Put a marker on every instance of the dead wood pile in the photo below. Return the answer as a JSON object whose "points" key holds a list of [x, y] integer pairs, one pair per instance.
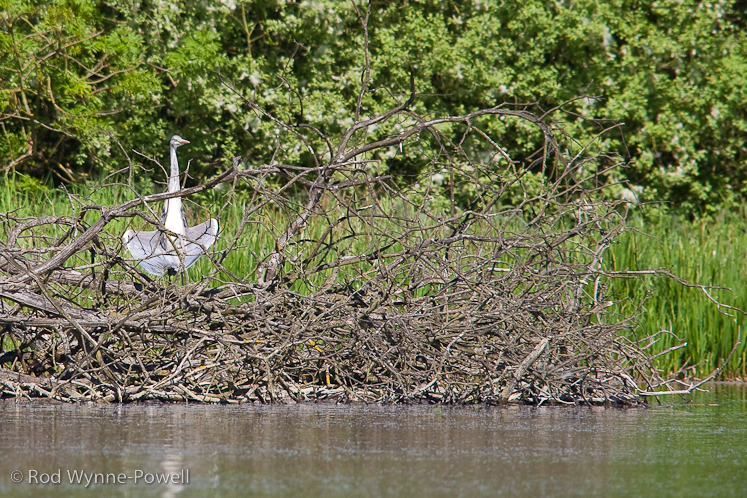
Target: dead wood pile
{"points": [[394, 298]]}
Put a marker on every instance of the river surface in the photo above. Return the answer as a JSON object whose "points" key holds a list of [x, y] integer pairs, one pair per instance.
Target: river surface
{"points": [[686, 448]]}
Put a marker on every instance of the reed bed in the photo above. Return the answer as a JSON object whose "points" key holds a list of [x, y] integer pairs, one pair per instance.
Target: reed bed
{"points": [[709, 252]]}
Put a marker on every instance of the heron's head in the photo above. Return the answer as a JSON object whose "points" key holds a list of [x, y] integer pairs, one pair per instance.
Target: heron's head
{"points": [[176, 141]]}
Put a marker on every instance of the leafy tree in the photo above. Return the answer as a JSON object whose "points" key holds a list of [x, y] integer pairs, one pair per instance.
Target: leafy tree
{"points": [[77, 74]]}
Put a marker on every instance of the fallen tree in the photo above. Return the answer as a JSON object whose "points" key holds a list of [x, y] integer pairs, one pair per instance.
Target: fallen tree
{"points": [[478, 278]]}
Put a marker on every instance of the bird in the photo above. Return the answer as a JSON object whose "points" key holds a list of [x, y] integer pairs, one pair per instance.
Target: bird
{"points": [[180, 246]]}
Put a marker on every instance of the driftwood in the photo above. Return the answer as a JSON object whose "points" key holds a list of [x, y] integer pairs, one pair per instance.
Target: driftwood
{"points": [[464, 283]]}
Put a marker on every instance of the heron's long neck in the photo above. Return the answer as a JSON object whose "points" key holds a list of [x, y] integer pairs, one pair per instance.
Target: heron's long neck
{"points": [[174, 177], [173, 207]]}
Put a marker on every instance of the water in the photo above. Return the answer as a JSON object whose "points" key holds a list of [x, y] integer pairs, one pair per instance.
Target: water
{"points": [[693, 449]]}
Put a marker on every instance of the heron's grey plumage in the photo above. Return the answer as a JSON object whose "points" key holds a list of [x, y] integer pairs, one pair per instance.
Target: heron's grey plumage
{"points": [[180, 246]]}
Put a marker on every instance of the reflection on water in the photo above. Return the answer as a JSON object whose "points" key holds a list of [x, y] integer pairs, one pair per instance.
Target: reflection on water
{"points": [[172, 464], [685, 449]]}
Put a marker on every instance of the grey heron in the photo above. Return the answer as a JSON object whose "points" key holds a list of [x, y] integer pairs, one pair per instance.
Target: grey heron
{"points": [[180, 246]]}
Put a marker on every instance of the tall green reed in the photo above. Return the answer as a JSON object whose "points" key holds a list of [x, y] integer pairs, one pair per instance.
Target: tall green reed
{"points": [[704, 252]]}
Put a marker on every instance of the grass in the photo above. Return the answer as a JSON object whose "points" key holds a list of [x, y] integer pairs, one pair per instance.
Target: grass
{"points": [[710, 253], [705, 252], [22, 199], [31, 198]]}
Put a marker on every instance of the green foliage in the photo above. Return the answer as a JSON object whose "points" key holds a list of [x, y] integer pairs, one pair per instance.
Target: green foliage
{"points": [[30, 185], [700, 252], [77, 74]]}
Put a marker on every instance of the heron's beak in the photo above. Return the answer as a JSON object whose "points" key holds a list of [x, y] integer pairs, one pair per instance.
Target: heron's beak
{"points": [[182, 141]]}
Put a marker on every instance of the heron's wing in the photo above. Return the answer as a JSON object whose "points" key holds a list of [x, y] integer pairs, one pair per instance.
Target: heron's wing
{"points": [[202, 235], [145, 247], [155, 253]]}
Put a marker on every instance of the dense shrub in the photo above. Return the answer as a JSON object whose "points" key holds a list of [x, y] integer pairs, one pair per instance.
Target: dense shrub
{"points": [[76, 74]]}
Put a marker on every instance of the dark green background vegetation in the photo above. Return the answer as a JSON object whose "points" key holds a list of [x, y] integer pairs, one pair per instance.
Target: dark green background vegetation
{"points": [[74, 74], [78, 76]]}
